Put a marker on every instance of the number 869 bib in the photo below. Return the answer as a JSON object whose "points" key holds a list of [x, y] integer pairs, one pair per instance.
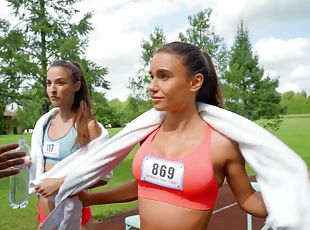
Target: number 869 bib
{"points": [[163, 172]]}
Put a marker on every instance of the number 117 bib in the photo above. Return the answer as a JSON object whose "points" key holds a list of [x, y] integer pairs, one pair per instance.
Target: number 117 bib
{"points": [[163, 172]]}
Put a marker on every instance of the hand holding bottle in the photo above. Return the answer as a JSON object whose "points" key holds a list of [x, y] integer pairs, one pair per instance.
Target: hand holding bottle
{"points": [[7, 160], [19, 184]]}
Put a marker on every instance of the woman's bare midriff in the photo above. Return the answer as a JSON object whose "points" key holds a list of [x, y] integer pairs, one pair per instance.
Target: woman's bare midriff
{"points": [[157, 215], [45, 205]]}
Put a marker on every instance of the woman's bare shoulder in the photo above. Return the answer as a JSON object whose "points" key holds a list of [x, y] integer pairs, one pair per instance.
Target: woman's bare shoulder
{"points": [[92, 124], [93, 129], [221, 140], [224, 146]]}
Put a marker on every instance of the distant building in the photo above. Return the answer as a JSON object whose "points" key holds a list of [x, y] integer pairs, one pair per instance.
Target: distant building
{"points": [[9, 114]]}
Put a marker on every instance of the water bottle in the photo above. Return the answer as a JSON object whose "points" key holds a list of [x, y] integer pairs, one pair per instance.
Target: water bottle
{"points": [[19, 183]]}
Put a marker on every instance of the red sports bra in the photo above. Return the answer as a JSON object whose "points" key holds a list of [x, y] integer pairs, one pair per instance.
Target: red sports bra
{"points": [[186, 181]]}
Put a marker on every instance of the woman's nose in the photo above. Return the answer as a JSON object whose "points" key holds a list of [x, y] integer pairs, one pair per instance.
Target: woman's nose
{"points": [[153, 87], [52, 88]]}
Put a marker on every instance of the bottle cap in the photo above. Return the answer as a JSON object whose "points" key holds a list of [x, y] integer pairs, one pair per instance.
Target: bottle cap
{"points": [[21, 141]]}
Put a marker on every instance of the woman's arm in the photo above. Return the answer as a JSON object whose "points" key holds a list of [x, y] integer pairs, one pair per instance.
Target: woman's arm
{"points": [[49, 186], [237, 178], [125, 192], [229, 163], [98, 184]]}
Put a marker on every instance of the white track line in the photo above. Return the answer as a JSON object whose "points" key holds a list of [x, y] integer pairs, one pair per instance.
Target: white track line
{"points": [[225, 207]]}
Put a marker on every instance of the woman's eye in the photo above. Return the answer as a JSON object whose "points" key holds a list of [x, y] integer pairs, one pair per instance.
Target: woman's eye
{"points": [[164, 76]]}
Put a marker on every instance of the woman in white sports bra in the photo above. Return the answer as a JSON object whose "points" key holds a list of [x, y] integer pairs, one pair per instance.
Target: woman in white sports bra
{"points": [[71, 128]]}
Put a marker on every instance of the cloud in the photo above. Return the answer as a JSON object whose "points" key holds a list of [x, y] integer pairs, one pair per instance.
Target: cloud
{"points": [[301, 72], [119, 29], [277, 11], [275, 50], [289, 59], [277, 31], [124, 14], [289, 87], [262, 17], [120, 54]]}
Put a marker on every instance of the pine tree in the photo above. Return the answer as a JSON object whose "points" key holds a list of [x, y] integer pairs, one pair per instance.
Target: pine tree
{"points": [[246, 90], [202, 34]]}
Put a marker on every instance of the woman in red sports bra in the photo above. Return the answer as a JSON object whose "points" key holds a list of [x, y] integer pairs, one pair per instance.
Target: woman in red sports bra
{"points": [[181, 165]]}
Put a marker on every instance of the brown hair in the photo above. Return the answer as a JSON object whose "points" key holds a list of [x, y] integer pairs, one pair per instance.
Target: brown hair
{"points": [[81, 106], [196, 62]]}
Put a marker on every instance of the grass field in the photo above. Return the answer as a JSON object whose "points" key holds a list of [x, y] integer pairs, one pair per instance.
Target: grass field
{"points": [[295, 132]]}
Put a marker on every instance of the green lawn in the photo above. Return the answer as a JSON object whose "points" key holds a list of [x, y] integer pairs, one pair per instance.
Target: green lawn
{"points": [[295, 132]]}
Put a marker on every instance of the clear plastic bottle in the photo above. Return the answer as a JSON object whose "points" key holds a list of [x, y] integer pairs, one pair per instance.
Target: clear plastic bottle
{"points": [[19, 183]]}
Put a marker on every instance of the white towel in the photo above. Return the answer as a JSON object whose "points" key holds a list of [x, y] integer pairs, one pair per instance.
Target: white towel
{"points": [[282, 175]]}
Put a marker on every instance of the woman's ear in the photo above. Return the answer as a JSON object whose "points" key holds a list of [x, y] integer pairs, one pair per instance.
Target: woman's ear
{"points": [[197, 82], [77, 86]]}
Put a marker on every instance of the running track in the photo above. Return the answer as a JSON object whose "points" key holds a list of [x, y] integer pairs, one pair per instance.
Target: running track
{"points": [[226, 215]]}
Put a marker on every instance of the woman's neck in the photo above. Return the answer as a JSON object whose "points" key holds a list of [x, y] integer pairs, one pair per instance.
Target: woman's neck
{"points": [[178, 121], [66, 115]]}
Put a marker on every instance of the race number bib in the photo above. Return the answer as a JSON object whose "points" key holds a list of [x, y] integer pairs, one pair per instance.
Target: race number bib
{"points": [[163, 172], [51, 149]]}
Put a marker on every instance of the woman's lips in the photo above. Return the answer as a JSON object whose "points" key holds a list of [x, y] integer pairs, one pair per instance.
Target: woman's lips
{"points": [[53, 98], [157, 99]]}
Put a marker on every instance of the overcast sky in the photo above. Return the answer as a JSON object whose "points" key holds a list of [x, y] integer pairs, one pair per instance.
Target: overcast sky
{"points": [[279, 32]]}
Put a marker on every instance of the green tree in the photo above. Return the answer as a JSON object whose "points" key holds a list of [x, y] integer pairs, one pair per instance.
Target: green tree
{"points": [[15, 65], [46, 30], [101, 107], [139, 83], [28, 114], [135, 107], [115, 113], [201, 33], [296, 103], [118, 118], [246, 90], [10, 58]]}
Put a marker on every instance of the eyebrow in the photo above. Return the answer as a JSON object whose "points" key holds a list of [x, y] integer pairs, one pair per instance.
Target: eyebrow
{"points": [[160, 71], [57, 79]]}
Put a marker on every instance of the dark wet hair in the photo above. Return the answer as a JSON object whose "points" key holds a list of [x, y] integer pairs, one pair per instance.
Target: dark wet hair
{"points": [[81, 106], [196, 62]]}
